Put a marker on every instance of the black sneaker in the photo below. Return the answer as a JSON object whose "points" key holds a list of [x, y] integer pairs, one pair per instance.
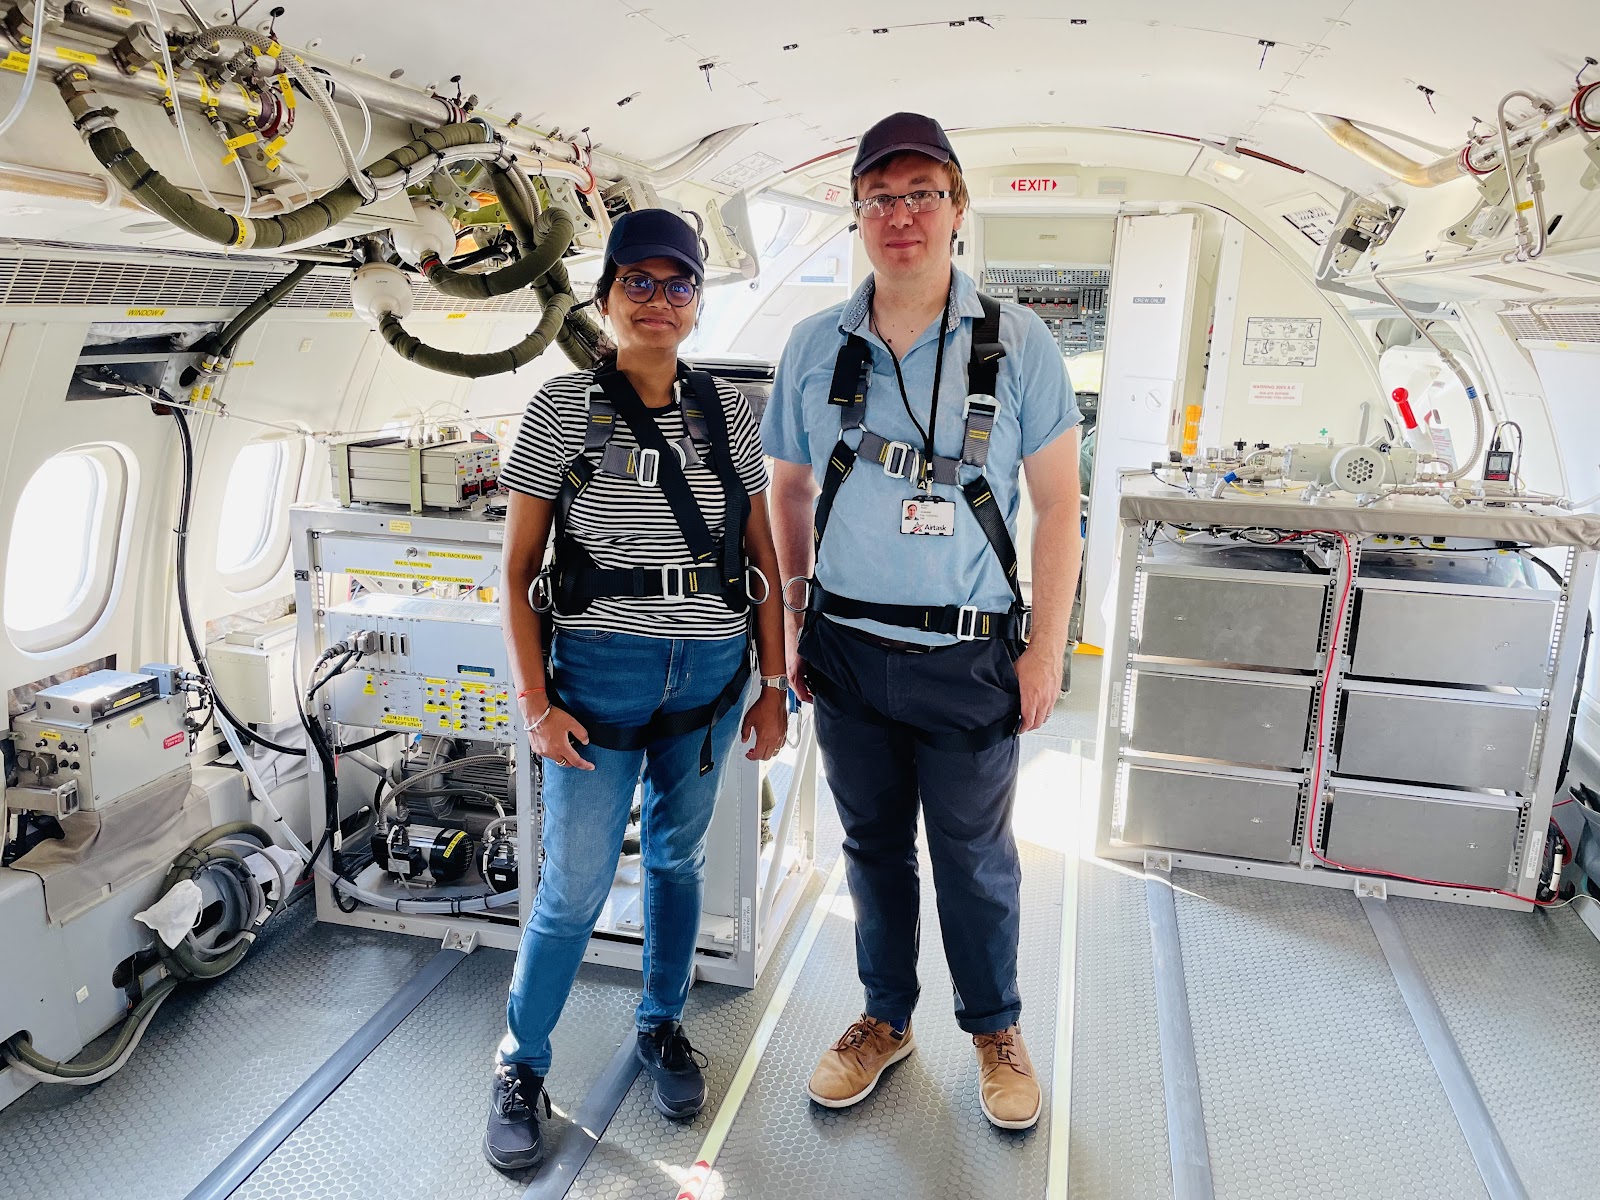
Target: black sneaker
{"points": [[674, 1065], [512, 1142]]}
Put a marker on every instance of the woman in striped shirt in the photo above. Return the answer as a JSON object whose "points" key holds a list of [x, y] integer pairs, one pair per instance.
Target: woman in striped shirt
{"points": [[649, 653]]}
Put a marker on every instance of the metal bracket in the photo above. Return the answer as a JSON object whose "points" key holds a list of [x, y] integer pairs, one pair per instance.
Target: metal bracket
{"points": [[1372, 889], [1158, 860], [464, 941]]}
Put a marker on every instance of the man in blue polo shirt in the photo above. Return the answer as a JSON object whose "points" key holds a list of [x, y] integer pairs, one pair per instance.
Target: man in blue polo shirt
{"points": [[900, 422]]}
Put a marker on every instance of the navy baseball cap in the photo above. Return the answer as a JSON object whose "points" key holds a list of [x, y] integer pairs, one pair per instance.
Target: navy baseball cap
{"points": [[654, 233], [902, 131]]}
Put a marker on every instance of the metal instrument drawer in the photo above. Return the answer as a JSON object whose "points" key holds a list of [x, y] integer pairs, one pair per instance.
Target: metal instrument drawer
{"points": [[1432, 836], [1211, 814], [1252, 618], [1207, 716], [1431, 636], [1426, 737]]}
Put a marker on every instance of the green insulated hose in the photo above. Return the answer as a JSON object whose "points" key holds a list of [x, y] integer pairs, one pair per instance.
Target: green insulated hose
{"points": [[476, 366], [147, 185]]}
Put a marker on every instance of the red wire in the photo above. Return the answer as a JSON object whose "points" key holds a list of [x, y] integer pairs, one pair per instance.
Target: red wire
{"points": [[1316, 769]]}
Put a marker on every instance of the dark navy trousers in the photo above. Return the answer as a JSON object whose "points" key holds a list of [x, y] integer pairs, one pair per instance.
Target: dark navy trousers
{"points": [[880, 774]]}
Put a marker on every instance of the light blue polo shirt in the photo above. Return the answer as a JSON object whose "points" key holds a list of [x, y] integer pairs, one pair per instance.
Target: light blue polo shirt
{"points": [[864, 554]]}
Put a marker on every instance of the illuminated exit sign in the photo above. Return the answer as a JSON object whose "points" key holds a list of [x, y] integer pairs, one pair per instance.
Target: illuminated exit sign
{"points": [[1036, 185]]}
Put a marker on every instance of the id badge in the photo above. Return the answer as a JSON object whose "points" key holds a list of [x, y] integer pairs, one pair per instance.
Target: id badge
{"points": [[928, 515]]}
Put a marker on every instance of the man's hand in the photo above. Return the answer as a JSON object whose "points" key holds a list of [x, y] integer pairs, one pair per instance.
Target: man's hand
{"points": [[793, 662], [1039, 673]]}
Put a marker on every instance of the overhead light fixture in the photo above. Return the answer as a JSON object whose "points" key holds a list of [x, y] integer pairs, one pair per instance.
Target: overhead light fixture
{"points": [[1232, 172]]}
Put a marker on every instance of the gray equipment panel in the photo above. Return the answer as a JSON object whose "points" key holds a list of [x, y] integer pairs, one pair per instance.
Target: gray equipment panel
{"points": [[1431, 837], [1430, 739], [1212, 814], [1252, 618], [1228, 719], [1495, 640]]}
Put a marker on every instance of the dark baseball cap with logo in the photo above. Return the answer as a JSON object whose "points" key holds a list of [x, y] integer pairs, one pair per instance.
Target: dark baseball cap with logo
{"points": [[655, 233], [902, 131]]}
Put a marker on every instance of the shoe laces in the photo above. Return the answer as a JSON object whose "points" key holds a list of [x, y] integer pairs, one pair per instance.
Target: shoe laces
{"points": [[1004, 1044], [514, 1100], [676, 1052], [858, 1034]]}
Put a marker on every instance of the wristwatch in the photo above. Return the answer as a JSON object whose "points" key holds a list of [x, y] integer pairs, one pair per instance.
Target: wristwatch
{"points": [[776, 682]]}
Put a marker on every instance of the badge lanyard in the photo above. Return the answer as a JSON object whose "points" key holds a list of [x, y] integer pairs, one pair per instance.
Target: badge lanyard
{"points": [[926, 482]]}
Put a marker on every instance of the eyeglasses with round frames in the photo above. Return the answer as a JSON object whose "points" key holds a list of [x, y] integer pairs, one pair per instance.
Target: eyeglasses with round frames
{"points": [[641, 289], [877, 207]]}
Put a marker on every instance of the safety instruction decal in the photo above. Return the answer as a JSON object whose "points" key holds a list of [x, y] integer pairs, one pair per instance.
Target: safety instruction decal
{"points": [[401, 722], [1280, 394], [1282, 341]]}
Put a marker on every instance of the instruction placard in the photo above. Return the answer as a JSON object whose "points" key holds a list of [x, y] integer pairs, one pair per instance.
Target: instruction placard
{"points": [[1282, 394], [1282, 341]]}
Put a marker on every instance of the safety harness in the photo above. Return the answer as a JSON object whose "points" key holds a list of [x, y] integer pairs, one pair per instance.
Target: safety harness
{"points": [[574, 580], [852, 375]]}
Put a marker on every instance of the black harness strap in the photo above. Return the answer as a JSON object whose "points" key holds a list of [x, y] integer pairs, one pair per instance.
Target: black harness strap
{"points": [[962, 741], [852, 372], [666, 725]]}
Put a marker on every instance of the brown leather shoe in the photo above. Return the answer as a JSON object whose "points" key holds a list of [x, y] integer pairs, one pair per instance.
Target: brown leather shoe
{"points": [[853, 1065], [1007, 1088]]}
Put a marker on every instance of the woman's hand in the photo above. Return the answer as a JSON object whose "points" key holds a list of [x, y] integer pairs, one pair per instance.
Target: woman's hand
{"points": [[768, 720], [554, 737]]}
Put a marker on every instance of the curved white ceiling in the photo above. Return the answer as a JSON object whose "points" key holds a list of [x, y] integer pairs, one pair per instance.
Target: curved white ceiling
{"points": [[1190, 67]]}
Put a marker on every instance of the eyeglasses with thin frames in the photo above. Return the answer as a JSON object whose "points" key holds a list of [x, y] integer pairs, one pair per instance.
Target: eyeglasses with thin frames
{"points": [[641, 289], [877, 207]]}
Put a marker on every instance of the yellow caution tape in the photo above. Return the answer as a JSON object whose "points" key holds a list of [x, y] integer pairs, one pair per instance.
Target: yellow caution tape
{"points": [[244, 139], [288, 92], [232, 156], [273, 146]]}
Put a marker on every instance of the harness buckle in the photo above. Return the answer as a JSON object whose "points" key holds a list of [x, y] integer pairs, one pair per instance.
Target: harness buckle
{"points": [[648, 468], [806, 603], [987, 405], [766, 586], [967, 623], [541, 593], [672, 582], [1025, 624], [899, 460]]}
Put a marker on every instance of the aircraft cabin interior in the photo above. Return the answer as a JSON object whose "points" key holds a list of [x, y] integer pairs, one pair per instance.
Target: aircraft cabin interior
{"points": [[341, 342]]}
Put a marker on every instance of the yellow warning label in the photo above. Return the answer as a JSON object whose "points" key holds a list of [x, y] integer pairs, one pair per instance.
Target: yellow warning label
{"points": [[453, 554], [369, 690], [120, 11], [15, 61], [411, 562], [341, 312], [411, 575], [1524, 205], [288, 92], [454, 316], [244, 362], [399, 526], [244, 139], [432, 707], [274, 49], [77, 56], [436, 682], [50, 734], [273, 146], [136, 722], [232, 156], [147, 312], [126, 700], [401, 722]]}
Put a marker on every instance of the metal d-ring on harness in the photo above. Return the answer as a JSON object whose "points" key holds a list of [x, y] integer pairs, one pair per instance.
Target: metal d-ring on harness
{"points": [[852, 374], [574, 580]]}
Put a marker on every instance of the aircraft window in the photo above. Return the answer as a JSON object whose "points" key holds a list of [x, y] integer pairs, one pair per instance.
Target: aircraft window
{"points": [[64, 535], [252, 531]]}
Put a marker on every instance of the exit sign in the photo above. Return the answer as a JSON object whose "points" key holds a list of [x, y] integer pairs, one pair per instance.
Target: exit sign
{"points": [[1036, 185]]}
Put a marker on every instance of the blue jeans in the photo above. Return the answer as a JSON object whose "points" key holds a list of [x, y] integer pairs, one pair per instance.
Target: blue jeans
{"points": [[622, 679]]}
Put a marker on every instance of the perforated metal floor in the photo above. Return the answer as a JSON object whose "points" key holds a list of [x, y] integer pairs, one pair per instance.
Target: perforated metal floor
{"points": [[214, 1064]]}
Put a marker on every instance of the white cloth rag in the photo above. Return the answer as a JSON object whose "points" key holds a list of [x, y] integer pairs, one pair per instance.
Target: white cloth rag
{"points": [[174, 915]]}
